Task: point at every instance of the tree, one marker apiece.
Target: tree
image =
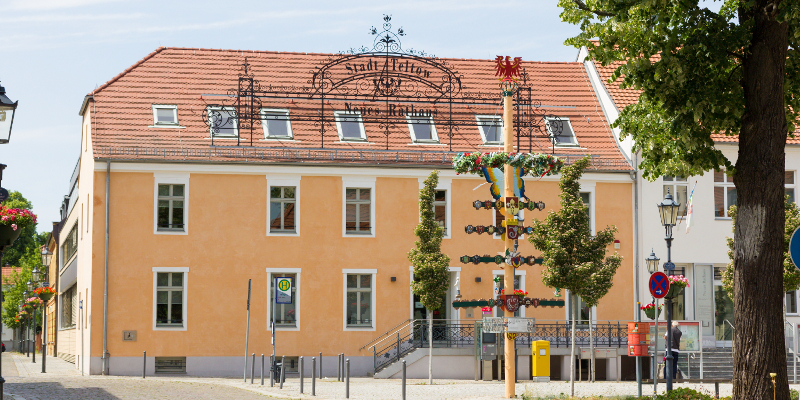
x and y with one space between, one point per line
573 258
791 275
431 274
704 73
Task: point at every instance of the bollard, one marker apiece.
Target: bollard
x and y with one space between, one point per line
716 389
339 367
320 365
300 365
313 375
272 371
404 380
347 379
253 369
262 370
144 364
283 370
342 367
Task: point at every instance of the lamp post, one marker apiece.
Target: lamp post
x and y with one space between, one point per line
46 255
27 324
668 211
652 267
7 110
36 274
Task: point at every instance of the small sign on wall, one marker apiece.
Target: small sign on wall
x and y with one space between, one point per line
128 336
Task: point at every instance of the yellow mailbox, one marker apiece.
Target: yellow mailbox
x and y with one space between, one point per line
540 359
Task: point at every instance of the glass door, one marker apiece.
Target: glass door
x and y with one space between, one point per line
723 317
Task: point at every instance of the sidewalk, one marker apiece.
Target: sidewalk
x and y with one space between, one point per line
25 368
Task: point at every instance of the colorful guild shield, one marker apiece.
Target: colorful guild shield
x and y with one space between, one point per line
512 205
509 303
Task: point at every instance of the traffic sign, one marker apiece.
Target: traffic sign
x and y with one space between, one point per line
283 294
659 285
794 248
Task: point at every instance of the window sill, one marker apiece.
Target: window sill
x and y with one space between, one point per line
284 329
351 234
286 234
158 232
174 126
723 218
279 138
170 328
355 141
424 143
359 328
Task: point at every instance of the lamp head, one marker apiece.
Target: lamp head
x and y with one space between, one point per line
668 211
652 262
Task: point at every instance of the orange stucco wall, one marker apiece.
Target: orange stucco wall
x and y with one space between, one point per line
227 245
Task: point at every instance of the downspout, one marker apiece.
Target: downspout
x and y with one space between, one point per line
105 277
636 233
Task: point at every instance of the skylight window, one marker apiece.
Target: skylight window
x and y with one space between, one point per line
165 114
422 129
350 126
561 130
276 124
223 122
491 128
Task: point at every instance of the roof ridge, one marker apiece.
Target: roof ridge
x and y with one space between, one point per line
129 69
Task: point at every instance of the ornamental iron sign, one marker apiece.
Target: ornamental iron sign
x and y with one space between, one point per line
384 85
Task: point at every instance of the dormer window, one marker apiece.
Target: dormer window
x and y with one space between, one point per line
350 126
561 130
491 129
165 114
422 129
276 124
222 122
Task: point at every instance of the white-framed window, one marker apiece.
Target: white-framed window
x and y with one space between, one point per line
358 207
171 204
678 186
791 302
169 298
165 114
69 307
276 124
350 126
441 203
561 130
359 299
789 182
282 202
287 316
222 121
490 128
724 194
587 196
422 129
519 283
70 245
582 311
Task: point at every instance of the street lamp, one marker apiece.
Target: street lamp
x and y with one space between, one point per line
652 262
668 210
29 285
46 255
7 109
36 274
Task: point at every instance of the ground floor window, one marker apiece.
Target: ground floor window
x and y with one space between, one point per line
285 314
69 306
359 298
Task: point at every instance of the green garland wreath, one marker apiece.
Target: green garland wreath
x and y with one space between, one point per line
537 165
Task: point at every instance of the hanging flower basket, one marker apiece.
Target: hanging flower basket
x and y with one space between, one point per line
676 285
34 302
650 310
12 220
45 293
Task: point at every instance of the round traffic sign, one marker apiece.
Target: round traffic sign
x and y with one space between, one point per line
284 285
794 248
659 285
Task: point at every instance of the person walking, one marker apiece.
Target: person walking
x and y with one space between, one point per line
674 347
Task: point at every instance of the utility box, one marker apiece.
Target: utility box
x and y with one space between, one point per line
540 361
488 346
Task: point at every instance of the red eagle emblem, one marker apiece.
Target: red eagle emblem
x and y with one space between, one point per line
507 70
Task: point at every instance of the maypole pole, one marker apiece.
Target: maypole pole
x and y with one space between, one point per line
508 85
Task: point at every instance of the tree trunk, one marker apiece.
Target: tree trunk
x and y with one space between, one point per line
759 232
430 347
572 345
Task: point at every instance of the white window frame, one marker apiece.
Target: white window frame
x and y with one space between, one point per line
185 271
374 273
568 306
501 274
275 271
434 135
725 184
358 183
445 184
171 178
589 187
483 134
157 124
566 121
264 112
455 315
235 135
285 180
673 184
791 186
336 116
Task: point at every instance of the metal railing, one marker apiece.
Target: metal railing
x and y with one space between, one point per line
391 346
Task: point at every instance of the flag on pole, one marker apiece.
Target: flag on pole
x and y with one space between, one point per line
689 209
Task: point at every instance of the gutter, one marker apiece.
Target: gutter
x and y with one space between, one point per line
105 277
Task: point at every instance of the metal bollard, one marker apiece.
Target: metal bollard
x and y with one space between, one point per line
404 380
283 370
144 364
716 387
271 371
253 369
347 379
320 365
262 370
313 375
342 367
339 367
300 365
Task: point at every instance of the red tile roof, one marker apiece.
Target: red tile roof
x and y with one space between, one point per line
191 78
8 271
